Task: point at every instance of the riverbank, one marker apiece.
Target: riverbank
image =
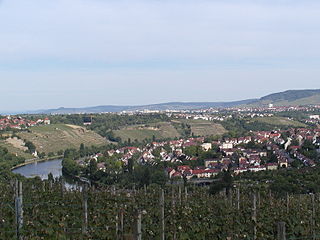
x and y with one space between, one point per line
36 160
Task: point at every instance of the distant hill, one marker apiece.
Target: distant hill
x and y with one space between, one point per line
160 106
96 109
291 95
286 98
291 98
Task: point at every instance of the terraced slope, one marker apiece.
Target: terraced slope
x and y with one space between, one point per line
203 127
13 147
173 129
279 121
55 137
161 130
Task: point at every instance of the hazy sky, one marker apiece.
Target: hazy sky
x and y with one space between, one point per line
96 52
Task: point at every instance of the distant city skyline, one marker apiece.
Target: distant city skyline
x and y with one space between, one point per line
81 53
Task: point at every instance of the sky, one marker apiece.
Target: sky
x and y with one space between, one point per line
77 53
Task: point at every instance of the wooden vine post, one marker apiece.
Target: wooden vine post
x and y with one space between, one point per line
121 223
270 198
138 232
186 193
238 198
50 184
281 230
174 215
162 215
230 197
288 203
62 187
139 222
313 222
18 210
85 209
117 224
254 216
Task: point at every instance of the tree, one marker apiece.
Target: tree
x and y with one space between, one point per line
167 148
42 155
130 165
296 164
193 151
226 182
142 175
82 150
71 153
156 152
93 167
50 154
70 167
295 142
273 158
50 177
159 178
31 147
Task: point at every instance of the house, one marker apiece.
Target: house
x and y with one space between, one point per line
275 135
272 166
178 152
229 152
174 144
240 170
206 146
254 160
176 174
190 144
226 145
170 172
226 161
280 141
257 168
263 153
47 121
111 152
210 162
211 172
247 139
183 168
187 174
243 162
294 148
204 173
283 162
101 166
315 117
305 160
216 165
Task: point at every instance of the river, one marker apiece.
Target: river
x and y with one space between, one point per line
42 169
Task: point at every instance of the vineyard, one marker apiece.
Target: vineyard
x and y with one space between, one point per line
46 210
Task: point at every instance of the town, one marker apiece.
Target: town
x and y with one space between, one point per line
16 122
262 150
